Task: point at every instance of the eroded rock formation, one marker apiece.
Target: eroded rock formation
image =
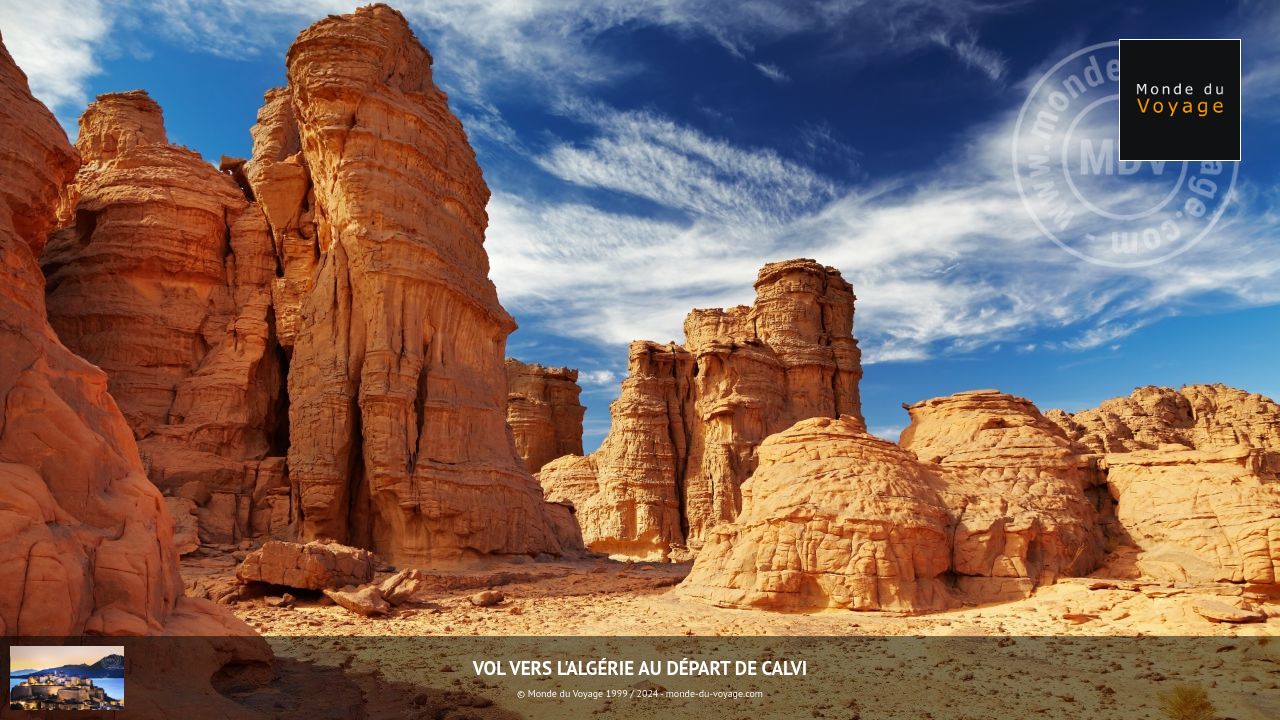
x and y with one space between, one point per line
313 566
161 275
1021 494
397 386
690 417
86 545
984 501
544 412
833 517
1193 474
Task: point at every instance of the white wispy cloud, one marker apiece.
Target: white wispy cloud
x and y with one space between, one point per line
55 43
986 60
946 261
773 72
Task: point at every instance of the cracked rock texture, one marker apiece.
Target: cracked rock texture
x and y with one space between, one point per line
1193 475
832 518
86 544
161 275
1021 494
690 417
397 384
544 412
984 501
313 566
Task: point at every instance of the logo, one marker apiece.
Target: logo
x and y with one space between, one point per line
1082 196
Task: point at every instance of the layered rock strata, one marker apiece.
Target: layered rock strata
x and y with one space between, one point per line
690 417
397 385
544 412
161 275
984 500
86 545
1193 475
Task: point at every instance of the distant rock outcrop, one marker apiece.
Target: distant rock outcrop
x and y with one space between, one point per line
1193 474
397 385
690 418
544 412
161 275
86 545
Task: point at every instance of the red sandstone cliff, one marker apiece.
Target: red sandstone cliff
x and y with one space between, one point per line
86 546
162 277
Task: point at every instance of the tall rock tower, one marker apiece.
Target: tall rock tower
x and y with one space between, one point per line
397 385
691 417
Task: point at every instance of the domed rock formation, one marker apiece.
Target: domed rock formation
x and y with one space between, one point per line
832 518
397 385
161 275
690 417
1019 490
984 500
86 546
1193 474
543 412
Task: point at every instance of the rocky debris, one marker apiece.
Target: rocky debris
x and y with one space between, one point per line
544 412
313 566
1220 612
984 501
365 600
487 598
403 586
690 417
1018 489
86 544
1192 475
397 385
160 274
832 517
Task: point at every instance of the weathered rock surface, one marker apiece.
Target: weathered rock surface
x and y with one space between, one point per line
367 600
1020 492
1193 473
86 545
832 518
984 501
544 412
690 417
403 586
397 384
161 275
313 566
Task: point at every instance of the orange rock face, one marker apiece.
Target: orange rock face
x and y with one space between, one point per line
832 518
86 545
1193 474
397 386
689 419
544 412
985 500
161 276
1021 493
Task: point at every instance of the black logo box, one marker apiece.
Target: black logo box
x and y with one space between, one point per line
1180 65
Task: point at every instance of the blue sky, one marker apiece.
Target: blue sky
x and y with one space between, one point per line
647 157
